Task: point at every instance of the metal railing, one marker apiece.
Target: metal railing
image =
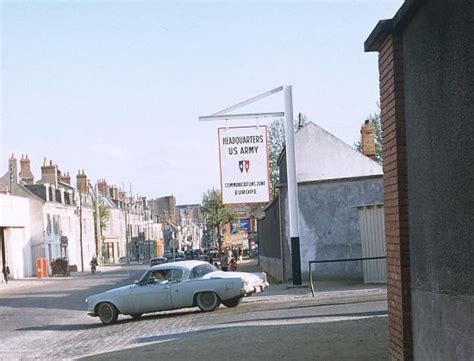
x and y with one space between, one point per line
336 260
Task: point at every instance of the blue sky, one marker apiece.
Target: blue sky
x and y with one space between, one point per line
115 88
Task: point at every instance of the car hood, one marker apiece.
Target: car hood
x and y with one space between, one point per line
113 291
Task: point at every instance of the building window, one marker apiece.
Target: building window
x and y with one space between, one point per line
48 224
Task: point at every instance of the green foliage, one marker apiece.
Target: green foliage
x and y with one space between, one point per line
104 215
217 214
276 144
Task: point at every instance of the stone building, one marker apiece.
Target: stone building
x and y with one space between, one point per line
333 178
61 221
164 208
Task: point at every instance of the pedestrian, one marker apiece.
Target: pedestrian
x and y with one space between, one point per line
224 261
232 265
93 264
6 273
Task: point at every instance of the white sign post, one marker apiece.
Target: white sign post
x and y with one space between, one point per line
290 164
243 156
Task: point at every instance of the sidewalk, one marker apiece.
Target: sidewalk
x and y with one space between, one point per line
29 282
324 290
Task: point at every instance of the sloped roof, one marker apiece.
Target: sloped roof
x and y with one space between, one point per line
109 203
320 156
5 187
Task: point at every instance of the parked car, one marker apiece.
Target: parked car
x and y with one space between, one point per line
158 260
176 285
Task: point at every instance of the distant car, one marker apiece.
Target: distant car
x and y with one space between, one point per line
178 256
157 260
176 285
216 259
189 255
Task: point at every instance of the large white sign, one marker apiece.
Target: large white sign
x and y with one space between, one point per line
243 153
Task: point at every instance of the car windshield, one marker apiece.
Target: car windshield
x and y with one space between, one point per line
202 270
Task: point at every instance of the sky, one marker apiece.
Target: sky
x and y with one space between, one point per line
116 87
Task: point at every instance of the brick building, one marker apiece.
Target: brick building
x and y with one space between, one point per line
426 68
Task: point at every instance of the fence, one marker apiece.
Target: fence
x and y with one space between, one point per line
336 260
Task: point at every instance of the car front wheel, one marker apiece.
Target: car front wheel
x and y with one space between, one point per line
107 312
207 301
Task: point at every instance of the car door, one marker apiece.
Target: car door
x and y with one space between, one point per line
182 293
153 292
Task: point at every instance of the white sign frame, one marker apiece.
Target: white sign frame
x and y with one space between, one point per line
241 173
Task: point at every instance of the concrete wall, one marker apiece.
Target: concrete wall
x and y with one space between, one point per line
439 101
272 266
36 223
329 224
15 217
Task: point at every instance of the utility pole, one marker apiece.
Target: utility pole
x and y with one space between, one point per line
127 251
98 234
292 187
80 230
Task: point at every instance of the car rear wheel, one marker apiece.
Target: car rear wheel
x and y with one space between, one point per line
107 312
207 301
233 302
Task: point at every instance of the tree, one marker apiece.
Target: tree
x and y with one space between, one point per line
375 120
276 145
217 214
104 215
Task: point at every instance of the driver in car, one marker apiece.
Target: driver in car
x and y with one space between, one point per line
158 277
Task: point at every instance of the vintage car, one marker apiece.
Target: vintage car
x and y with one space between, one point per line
176 285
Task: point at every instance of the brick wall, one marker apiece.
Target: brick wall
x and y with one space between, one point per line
396 197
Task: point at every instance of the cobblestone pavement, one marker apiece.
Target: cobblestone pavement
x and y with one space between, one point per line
46 319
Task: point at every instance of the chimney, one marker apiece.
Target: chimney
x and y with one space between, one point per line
114 191
25 170
81 181
102 186
368 139
13 170
66 178
49 173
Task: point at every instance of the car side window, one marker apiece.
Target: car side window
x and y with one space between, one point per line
177 275
198 272
202 270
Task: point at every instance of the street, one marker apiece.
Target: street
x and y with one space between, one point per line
46 319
